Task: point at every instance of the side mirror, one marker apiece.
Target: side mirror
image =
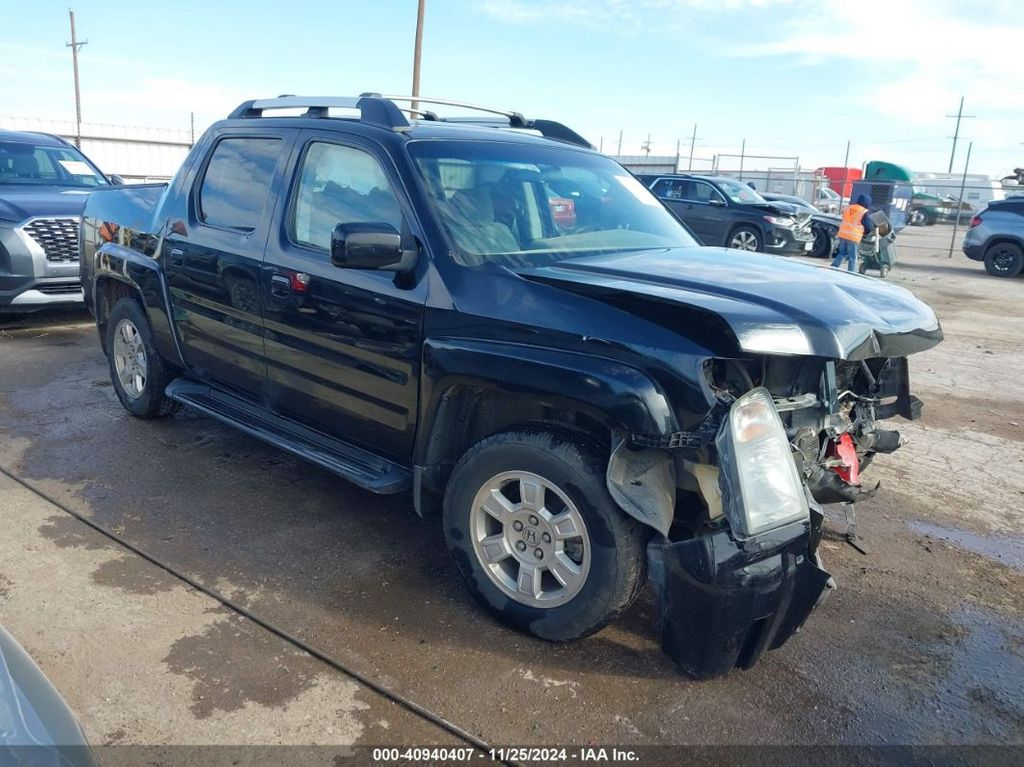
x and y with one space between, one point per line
370 245
718 202
116 180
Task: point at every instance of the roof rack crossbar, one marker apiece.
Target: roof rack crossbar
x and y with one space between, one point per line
372 109
547 128
515 118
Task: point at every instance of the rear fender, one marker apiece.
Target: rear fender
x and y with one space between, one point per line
117 268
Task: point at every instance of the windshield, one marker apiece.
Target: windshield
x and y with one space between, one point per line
739 192
524 206
41 165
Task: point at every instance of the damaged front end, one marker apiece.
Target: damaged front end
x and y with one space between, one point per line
737 500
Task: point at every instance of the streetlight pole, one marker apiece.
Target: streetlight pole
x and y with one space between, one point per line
74 45
417 52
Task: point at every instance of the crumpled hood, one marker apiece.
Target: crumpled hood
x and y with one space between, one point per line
773 305
18 203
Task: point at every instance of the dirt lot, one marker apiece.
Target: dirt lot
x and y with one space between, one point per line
923 643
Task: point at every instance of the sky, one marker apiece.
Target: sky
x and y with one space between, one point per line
790 78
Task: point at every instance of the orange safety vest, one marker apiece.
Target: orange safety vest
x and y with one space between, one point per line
852 227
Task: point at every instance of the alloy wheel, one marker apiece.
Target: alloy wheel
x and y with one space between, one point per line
744 240
530 539
130 358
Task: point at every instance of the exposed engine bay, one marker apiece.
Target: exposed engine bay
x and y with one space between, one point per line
832 411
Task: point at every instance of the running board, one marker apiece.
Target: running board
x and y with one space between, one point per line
359 466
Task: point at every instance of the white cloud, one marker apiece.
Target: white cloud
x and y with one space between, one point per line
623 16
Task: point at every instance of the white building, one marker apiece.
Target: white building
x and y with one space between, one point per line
135 154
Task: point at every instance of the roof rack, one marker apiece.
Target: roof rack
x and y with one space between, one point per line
375 109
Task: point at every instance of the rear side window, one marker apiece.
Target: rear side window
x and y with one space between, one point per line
237 182
340 185
671 188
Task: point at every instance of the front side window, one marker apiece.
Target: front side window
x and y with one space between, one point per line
340 185
740 193
526 205
27 164
704 192
237 182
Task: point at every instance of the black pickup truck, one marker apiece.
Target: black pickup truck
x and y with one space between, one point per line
515 330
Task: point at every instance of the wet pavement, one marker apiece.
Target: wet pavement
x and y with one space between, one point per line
922 643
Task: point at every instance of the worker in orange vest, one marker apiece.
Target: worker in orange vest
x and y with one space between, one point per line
852 230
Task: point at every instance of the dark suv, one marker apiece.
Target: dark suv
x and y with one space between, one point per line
996 236
512 329
725 212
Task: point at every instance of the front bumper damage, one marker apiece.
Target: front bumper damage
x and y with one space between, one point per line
723 602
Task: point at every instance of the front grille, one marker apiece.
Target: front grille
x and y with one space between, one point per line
59 288
58 237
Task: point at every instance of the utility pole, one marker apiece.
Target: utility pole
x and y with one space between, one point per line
417 52
956 134
743 152
693 142
74 45
846 175
960 202
646 146
620 144
192 127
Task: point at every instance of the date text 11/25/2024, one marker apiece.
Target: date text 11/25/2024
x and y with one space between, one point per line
596 754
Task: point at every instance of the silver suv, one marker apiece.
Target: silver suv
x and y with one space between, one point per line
996 237
44 183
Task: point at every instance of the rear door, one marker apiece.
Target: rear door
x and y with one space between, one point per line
676 193
343 345
213 258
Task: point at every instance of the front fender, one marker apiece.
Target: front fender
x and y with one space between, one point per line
615 394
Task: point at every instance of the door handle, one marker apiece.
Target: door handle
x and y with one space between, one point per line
280 286
177 256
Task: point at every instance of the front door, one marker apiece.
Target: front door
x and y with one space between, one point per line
708 210
213 260
342 345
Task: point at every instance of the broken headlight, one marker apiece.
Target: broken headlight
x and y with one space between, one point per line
761 488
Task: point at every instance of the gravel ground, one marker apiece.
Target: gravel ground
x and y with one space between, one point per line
923 642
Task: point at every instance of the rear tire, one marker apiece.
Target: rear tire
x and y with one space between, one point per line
138 372
1004 259
507 514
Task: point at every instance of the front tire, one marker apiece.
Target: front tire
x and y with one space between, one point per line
1004 259
745 238
823 244
137 371
537 538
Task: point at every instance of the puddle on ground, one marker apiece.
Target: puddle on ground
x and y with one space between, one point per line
1002 547
987 674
